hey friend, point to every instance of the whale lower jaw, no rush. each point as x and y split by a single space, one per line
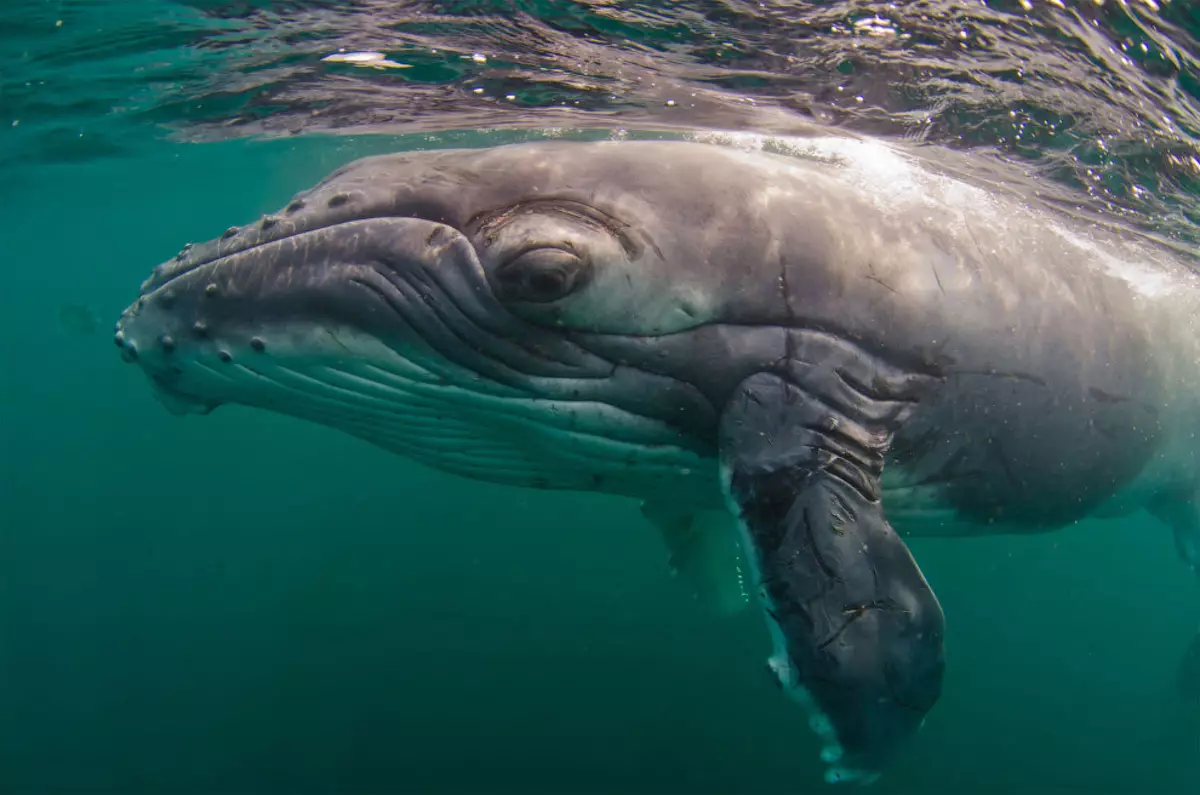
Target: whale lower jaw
445 417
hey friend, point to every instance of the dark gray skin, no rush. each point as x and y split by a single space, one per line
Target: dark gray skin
773 334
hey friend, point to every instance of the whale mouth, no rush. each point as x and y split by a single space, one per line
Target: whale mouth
385 328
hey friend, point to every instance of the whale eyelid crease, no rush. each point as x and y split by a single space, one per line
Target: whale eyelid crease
486 222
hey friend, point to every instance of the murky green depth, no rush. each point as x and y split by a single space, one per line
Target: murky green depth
246 603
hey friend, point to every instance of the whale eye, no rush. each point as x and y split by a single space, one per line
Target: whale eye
541 275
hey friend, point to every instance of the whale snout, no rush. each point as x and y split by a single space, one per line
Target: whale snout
149 336
210 324
322 261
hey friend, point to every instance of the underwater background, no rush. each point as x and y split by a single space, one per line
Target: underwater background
247 603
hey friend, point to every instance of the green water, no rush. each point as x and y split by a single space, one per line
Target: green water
247 603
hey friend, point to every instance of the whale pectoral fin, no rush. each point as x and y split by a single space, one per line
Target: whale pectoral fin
703 551
857 630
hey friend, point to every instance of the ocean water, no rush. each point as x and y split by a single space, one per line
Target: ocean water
245 603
